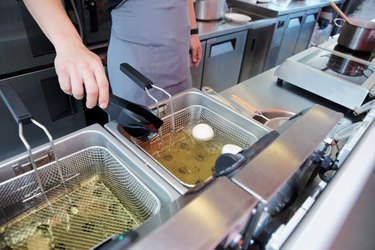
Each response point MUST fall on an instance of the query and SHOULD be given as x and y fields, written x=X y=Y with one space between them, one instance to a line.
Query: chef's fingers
x=64 y=80
x=91 y=88
x=76 y=82
x=199 y=55
x=196 y=56
x=103 y=87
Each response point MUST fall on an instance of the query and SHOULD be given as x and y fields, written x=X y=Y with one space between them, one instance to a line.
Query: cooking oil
x=92 y=214
x=189 y=160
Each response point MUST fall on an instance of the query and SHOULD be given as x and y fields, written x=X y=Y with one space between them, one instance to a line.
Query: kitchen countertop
x=275 y=8
x=209 y=29
x=263 y=92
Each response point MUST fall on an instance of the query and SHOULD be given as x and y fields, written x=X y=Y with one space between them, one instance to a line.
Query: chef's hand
x=79 y=70
x=195 y=51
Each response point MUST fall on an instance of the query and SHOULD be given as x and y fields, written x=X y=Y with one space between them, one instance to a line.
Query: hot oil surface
x=93 y=214
x=189 y=160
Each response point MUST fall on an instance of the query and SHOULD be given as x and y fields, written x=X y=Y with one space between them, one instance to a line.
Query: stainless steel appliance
x=209 y=10
x=92 y=19
x=25 y=48
x=271 y=178
x=232 y=210
x=26 y=59
x=108 y=191
x=332 y=72
x=358 y=36
x=174 y=155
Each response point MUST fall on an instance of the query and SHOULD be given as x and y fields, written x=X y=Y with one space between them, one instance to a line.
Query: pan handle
x=140 y=79
x=16 y=107
x=339 y=22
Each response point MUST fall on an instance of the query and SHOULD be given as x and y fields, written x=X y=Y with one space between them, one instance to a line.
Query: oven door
x=95 y=20
x=23 y=45
x=25 y=48
x=40 y=92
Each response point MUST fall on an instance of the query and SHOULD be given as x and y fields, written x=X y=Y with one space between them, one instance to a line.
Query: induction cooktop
x=335 y=73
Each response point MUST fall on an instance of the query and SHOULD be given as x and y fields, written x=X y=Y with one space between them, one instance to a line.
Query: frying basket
x=103 y=199
x=192 y=162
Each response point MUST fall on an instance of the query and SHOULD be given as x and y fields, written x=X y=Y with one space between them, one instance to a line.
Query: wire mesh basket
x=188 y=160
x=101 y=198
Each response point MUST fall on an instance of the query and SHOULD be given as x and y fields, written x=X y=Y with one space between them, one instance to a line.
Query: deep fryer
x=74 y=201
x=189 y=161
x=190 y=108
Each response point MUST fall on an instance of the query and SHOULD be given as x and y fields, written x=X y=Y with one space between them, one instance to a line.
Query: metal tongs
x=23 y=117
x=137 y=120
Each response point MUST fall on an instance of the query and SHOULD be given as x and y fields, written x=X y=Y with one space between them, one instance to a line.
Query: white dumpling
x=231 y=149
x=203 y=132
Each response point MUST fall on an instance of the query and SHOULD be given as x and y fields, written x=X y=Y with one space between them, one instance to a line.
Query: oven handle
x=93 y=14
x=74 y=6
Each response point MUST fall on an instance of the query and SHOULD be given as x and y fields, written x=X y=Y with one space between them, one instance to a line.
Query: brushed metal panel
x=273 y=167
x=205 y=221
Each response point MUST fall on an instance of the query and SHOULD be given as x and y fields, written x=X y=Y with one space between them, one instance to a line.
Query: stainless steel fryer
x=105 y=194
x=190 y=108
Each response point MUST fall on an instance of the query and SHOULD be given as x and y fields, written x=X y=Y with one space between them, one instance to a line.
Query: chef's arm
x=79 y=70
x=195 y=45
x=193 y=22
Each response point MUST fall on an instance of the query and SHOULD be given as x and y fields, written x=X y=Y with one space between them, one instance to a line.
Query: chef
x=158 y=38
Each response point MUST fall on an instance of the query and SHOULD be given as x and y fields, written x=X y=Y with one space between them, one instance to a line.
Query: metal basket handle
x=23 y=117
x=145 y=83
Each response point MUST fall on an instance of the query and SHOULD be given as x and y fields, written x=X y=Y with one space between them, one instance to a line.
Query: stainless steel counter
x=209 y=29
x=275 y=8
x=264 y=93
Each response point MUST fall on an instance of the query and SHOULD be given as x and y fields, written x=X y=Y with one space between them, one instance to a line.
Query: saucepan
x=270 y=118
x=358 y=35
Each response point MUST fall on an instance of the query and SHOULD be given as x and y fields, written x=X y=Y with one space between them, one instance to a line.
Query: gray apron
x=153 y=37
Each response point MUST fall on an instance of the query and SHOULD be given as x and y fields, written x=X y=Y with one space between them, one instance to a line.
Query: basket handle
x=23 y=117
x=339 y=22
x=16 y=107
x=140 y=79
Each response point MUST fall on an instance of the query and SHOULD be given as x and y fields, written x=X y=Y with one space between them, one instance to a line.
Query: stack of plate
x=236 y=17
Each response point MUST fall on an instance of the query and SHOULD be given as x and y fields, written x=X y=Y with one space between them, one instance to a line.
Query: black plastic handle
x=259 y=145
x=15 y=105
x=227 y=163
x=140 y=79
